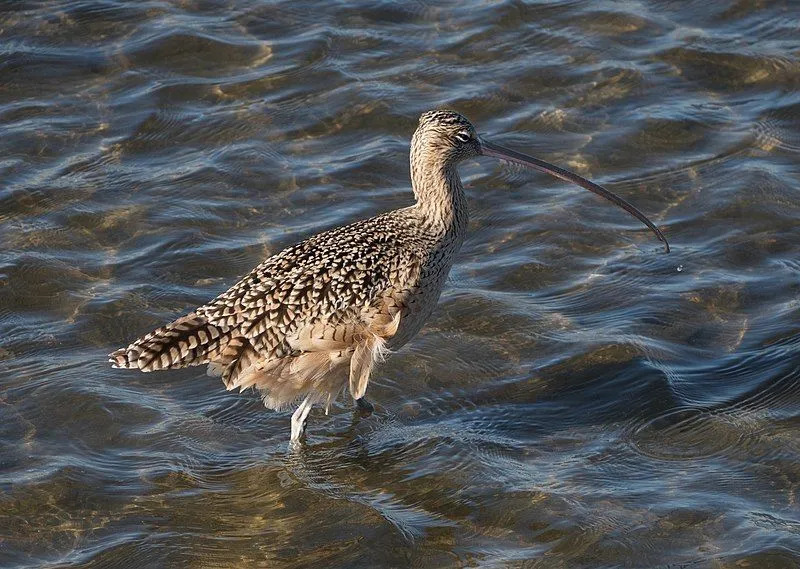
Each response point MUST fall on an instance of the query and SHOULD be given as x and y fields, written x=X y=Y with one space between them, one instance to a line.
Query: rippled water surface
x=578 y=399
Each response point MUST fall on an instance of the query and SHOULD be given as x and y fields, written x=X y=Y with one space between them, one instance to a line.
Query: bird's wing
x=332 y=299
x=326 y=294
x=318 y=358
x=337 y=272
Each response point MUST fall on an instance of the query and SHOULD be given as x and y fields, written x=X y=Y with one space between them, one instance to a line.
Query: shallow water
x=578 y=399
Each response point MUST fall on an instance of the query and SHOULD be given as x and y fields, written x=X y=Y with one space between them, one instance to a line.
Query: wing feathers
x=314 y=356
x=311 y=360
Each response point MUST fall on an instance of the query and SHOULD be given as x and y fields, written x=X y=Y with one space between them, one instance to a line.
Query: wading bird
x=320 y=314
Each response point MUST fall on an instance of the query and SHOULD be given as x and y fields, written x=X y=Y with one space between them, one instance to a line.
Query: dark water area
x=579 y=399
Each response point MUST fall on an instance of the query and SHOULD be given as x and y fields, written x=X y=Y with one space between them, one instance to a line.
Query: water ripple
x=578 y=398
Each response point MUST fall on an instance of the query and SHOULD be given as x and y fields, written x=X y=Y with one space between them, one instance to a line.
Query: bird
x=314 y=319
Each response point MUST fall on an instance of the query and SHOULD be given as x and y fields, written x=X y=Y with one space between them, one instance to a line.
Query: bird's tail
x=188 y=341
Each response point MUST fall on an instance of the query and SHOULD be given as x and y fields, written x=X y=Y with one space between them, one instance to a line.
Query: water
x=578 y=399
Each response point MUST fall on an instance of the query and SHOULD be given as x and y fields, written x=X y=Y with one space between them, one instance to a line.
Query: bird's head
x=444 y=138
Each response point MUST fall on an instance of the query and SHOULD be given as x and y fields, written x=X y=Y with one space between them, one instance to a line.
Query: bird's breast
x=419 y=300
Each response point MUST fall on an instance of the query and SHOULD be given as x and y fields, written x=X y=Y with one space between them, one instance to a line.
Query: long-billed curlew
x=317 y=316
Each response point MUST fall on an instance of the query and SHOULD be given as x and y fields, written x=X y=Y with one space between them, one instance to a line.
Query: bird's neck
x=441 y=202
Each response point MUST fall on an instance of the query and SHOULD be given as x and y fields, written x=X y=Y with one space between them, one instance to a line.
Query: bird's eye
x=463 y=136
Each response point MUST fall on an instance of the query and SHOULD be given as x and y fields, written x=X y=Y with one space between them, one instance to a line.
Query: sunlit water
x=578 y=399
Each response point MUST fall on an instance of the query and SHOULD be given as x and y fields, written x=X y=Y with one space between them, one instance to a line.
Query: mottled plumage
x=316 y=317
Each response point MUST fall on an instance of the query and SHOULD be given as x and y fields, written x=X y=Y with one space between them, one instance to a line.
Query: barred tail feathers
x=188 y=341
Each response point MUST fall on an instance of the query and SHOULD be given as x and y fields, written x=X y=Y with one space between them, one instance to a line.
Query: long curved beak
x=496 y=151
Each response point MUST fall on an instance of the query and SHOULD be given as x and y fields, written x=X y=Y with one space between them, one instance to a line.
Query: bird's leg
x=365 y=405
x=299 y=419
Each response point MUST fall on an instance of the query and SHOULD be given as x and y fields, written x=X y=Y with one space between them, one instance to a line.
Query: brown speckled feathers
x=298 y=315
x=316 y=317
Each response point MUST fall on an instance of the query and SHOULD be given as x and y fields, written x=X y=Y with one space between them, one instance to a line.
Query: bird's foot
x=365 y=406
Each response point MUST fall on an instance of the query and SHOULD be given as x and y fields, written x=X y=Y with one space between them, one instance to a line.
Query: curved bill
x=496 y=151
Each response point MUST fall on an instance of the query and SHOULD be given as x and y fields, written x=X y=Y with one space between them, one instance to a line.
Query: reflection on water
x=579 y=399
